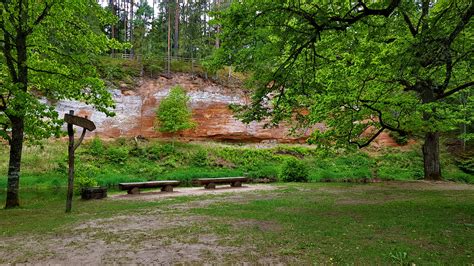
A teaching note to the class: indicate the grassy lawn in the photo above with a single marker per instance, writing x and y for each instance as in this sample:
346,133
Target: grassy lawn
385,223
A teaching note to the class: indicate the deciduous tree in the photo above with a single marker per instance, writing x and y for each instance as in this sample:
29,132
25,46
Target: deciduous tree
47,52
173,114
361,67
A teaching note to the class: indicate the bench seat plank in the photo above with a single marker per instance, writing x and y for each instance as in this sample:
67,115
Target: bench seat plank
210,183
220,180
149,184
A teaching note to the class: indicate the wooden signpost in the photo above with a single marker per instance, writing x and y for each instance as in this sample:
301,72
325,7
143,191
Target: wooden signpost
86,124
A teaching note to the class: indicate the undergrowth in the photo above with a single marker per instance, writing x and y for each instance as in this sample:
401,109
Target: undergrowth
125,160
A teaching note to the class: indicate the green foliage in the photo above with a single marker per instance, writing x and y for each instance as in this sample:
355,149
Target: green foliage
247,158
383,73
466,163
117,154
399,138
118,70
155,160
400,258
60,59
264,171
200,158
294,170
84,182
153,67
173,114
159,151
351,165
400,166
96,147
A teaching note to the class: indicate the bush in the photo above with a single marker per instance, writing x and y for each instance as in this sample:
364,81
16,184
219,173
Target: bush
138,151
294,170
96,147
117,154
263,171
399,139
200,158
173,114
158,152
85,182
153,67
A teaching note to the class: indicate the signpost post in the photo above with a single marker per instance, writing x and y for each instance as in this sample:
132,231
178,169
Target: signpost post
86,124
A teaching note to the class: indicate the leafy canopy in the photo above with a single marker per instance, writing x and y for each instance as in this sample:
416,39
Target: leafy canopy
394,65
63,40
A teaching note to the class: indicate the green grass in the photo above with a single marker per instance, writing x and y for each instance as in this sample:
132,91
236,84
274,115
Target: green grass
364,226
123,160
312,223
42,211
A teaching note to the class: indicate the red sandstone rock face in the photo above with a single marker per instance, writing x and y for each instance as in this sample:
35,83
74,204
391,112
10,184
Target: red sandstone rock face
135,113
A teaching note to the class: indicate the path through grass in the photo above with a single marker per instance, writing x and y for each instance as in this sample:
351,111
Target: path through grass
387,223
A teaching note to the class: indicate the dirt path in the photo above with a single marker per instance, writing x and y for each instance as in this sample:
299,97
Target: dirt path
164,235
174,234
194,191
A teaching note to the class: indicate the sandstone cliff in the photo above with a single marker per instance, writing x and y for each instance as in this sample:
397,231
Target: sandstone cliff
135,113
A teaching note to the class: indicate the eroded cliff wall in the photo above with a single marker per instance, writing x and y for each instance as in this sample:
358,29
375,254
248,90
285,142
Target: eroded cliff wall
135,113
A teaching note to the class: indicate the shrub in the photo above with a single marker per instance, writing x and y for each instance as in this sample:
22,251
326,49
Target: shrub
399,139
85,182
153,67
158,152
263,171
138,151
173,114
117,154
96,147
86,169
294,170
200,158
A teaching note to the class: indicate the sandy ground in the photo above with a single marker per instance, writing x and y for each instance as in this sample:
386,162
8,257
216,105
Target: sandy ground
192,191
172,234
166,235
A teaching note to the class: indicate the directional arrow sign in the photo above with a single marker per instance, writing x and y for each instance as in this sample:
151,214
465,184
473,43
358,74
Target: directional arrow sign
79,121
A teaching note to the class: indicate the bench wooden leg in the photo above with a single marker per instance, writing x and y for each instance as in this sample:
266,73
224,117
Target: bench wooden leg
167,188
236,184
134,191
210,186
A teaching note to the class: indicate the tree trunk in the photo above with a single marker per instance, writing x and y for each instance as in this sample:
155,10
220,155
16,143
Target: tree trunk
218,29
176,29
169,40
17,121
431,160
16,146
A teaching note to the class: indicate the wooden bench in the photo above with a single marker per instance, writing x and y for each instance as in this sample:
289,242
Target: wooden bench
210,183
134,187
94,193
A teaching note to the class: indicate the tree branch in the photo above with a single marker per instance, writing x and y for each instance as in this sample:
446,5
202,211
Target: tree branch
412,29
7,48
41,17
464,20
367,12
51,73
367,143
382,123
457,89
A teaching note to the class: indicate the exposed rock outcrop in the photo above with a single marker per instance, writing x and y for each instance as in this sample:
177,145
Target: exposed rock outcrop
135,113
